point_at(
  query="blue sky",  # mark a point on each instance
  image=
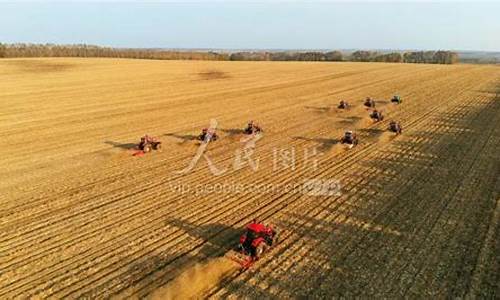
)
(265, 25)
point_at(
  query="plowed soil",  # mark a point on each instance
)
(417, 215)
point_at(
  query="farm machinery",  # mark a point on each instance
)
(149, 143)
(395, 127)
(252, 128)
(257, 240)
(376, 116)
(396, 99)
(350, 139)
(207, 135)
(369, 102)
(343, 104)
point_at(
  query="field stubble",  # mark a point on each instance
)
(82, 217)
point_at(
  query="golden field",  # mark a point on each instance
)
(82, 217)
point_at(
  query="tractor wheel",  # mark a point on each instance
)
(259, 250)
(147, 148)
(157, 146)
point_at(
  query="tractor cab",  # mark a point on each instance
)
(396, 99)
(348, 137)
(395, 127)
(256, 238)
(369, 102)
(376, 115)
(254, 242)
(343, 104)
(254, 230)
(149, 143)
(252, 128)
(145, 139)
(207, 135)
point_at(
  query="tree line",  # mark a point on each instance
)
(427, 57)
(51, 50)
(287, 56)
(83, 50)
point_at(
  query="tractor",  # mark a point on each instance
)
(395, 127)
(207, 135)
(343, 105)
(148, 143)
(369, 102)
(257, 240)
(350, 139)
(376, 116)
(396, 99)
(252, 128)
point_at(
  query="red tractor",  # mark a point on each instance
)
(149, 143)
(252, 128)
(395, 127)
(376, 116)
(343, 105)
(369, 102)
(257, 239)
(350, 139)
(207, 135)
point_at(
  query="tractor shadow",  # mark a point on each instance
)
(325, 144)
(372, 132)
(124, 146)
(382, 102)
(217, 238)
(319, 109)
(213, 241)
(183, 137)
(381, 136)
(213, 74)
(349, 121)
(233, 131)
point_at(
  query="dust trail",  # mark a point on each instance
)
(338, 148)
(385, 137)
(195, 280)
(359, 109)
(364, 122)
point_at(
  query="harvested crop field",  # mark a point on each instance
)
(417, 215)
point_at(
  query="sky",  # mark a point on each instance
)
(256, 25)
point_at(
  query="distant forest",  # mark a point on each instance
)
(51, 50)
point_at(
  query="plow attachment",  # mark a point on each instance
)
(243, 260)
(138, 153)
